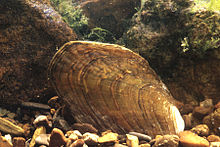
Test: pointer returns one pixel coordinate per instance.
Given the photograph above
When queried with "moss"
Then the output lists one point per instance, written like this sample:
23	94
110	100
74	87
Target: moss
73	16
203	29
101	35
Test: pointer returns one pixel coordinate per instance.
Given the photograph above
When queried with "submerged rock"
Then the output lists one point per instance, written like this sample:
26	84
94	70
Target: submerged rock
30	32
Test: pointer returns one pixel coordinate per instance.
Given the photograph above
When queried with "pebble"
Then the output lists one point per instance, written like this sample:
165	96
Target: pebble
201	130
132	141
78	143
213	138
190	139
215	144
61	123
73	137
8	137
57	138
76	132
37	132
90	138
166	140
200	112
108	137
41	120
4	142
84	127
213	121
43	139
145	145
18	142
206	103
141	136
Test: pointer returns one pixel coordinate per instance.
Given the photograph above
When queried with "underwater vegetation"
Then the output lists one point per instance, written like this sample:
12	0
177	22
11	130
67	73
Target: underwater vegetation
72	16
203	29
75	18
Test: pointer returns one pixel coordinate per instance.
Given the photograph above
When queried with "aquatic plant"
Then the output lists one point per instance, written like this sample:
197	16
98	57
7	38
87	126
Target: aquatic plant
203	29
101	35
73	16
76	19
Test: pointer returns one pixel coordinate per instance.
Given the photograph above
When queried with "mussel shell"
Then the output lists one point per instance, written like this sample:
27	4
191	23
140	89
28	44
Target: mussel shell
112	87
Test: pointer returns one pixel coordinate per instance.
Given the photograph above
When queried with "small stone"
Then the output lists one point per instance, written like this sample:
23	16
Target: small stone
43	139
206	103
132	141
141	136
73	137
201	130
8	137
215	144
41	120
18	142
61	123
76	132
199	112
213	138
84	127
190	139
78	143
108	137
4	142
188	121
145	145
90	138
57	138
213	121
37	132
167	141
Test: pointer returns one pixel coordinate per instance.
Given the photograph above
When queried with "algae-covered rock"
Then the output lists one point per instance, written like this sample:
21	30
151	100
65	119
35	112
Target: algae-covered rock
182	45
30	33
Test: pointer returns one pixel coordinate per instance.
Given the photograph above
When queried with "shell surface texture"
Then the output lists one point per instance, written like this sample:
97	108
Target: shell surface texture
111	87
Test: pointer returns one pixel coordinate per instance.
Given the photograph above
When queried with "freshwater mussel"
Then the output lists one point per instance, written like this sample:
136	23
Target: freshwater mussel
111	87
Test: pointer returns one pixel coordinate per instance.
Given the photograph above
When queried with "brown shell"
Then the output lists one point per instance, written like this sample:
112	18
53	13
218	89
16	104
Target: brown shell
112	87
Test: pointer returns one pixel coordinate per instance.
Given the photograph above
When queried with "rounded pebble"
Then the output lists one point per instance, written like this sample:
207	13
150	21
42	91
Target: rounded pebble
201	130
190	139
213	138
18	142
57	138
141	136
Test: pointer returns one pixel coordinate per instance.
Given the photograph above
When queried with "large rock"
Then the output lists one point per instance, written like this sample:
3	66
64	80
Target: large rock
30	33
183	47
